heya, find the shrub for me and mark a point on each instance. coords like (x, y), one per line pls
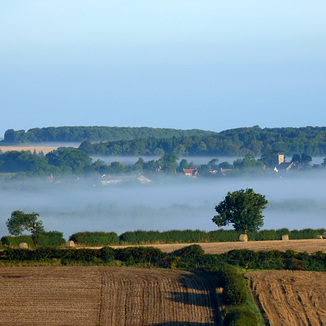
(138, 254)
(189, 252)
(234, 286)
(95, 238)
(295, 264)
(17, 254)
(289, 254)
(107, 254)
(240, 316)
(234, 291)
(15, 241)
(86, 255)
(52, 238)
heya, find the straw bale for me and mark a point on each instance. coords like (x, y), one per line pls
(243, 238)
(23, 245)
(285, 237)
(70, 244)
(319, 236)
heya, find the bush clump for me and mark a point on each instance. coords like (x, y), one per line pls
(15, 241)
(234, 286)
(240, 316)
(95, 238)
(52, 238)
(192, 251)
(138, 254)
(107, 254)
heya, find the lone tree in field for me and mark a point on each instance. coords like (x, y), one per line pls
(20, 221)
(242, 208)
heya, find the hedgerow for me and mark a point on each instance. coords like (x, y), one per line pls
(240, 316)
(185, 236)
(15, 241)
(95, 238)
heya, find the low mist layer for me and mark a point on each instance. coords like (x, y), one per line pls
(295, 202)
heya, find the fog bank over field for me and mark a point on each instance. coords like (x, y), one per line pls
(297, 201)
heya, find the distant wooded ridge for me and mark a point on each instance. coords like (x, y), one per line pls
(92, 134)
(158, 141)
(233, 142)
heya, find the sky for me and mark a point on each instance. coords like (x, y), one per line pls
(184, 64)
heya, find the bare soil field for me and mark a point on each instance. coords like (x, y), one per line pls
(311, 246)
(104, 296)
(290, 297)
(38, 149)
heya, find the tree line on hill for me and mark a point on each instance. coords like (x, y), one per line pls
(92, 134)
(234, 142)
(158, 141)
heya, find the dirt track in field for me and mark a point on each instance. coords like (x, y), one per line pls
(104, 296)
(290, 297)
(311, 246)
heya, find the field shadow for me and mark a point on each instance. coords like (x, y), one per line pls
(202, 282)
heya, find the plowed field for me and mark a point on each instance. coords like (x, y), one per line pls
(104, 296)
(290, 297)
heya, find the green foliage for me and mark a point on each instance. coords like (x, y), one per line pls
(193, 251)
(234, 286)
(139, 254)
(20, 221)
(92, 134)
(107, 254)
(69, 159)
(95, 238)
(156, 141)
(240, 316)
(52, 238)
(242, 208)
(248, 163)
(15, 241)
(185, 236)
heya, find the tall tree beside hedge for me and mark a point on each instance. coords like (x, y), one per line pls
(20, 221)
(243, 209)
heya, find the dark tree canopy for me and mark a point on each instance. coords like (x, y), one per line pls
(20, 221)
(243, 209)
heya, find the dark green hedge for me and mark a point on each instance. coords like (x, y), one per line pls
(240, 316)
(187, 236)
(277, 260)
(52, 238)
(15, 241)
(95, 238)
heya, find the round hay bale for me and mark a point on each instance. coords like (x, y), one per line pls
(243, 238)
(324, 235)
(319, 236)
(23, 245)
(70, 244)
(285, 237)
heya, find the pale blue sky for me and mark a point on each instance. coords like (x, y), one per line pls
(186, 64)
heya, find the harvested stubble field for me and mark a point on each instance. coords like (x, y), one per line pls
(290, 297)
(104, 296)
(310, 245)
(38, 149)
